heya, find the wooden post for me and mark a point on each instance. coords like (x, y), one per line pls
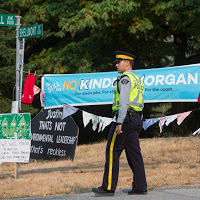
(15, 170)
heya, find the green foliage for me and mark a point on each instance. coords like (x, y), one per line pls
(5, 105)
(7, 81)
(82, 36)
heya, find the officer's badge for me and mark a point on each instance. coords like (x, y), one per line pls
(124, 81)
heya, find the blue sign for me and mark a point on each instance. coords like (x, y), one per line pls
(170, 84)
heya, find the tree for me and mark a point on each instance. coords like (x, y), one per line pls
(8, 60)
(181, 22)
(82, 36)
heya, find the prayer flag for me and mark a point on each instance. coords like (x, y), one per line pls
(68, 110)
(149, 122)
(182, 116)
(36, 90)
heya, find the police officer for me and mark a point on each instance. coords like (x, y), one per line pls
(124, 132)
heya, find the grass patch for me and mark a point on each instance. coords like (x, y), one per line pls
(168, 162)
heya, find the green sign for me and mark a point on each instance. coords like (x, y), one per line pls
(7, 20)
(15, 126)
(31, 31)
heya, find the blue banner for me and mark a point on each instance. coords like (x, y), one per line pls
(170, 84)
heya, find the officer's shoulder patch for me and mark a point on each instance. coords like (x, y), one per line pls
(124, 81)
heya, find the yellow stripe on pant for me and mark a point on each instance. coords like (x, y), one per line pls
(111, 161)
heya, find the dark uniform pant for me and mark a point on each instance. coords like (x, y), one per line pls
(128, 140)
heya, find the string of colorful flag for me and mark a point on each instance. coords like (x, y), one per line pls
(105, 121)
(97, 121)
(166, 120)
(30, 89)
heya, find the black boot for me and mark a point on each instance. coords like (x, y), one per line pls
(135, 192)
(102, 191)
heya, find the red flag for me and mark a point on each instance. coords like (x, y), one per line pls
(199, 98)
(27, 96)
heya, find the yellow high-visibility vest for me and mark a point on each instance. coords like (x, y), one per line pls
(136, 98)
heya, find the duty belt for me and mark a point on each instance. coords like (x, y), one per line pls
(133, 112)
(129, 114)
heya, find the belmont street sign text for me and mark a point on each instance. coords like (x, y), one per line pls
(31, 31)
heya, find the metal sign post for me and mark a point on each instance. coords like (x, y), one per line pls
(22, 47)
(17, 76)
(17, 57)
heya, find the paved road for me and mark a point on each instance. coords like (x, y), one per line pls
(190, 192)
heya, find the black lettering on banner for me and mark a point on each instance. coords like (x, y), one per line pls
(166, 89)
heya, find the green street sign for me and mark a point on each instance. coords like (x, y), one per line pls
(31, 31)
(7, 20)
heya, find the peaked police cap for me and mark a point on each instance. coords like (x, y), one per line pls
(121, 55)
